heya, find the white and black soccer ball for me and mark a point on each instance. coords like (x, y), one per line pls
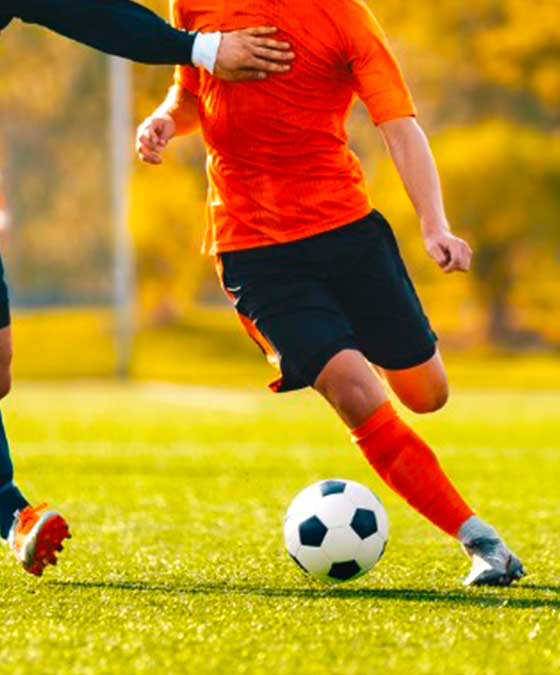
(336, 530)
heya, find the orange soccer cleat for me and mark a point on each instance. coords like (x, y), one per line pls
(36, 536)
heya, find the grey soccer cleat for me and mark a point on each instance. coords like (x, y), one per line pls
(493, 564)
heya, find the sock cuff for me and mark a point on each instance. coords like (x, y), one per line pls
(385, 413)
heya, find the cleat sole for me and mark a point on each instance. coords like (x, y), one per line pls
(49, 540)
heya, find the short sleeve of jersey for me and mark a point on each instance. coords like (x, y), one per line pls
(378, 79)
(186, 77)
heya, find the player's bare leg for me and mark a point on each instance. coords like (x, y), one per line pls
(408, 465)
(350, 386)
(423, 388)
(35, 534)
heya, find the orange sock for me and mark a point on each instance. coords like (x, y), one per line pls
(411, 469)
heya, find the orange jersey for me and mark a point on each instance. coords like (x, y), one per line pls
(279, 165)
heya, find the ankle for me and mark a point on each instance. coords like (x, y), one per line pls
(475, 528)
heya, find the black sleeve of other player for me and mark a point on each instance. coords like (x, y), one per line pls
(120, 27)
(5, 20)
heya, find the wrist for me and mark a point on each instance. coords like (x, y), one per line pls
(431, 226)
(205, 50)
(164, 114)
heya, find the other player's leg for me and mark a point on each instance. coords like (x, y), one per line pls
(35, 534)
(11, 499)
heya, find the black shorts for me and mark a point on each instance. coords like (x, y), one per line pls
(4, 300)
(348, 288)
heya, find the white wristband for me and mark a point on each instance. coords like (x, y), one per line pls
(205, 50)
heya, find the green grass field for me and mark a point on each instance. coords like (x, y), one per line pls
(176, 496)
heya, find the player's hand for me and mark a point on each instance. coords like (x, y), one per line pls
(249, 55)
(450, 252)
(152, 136)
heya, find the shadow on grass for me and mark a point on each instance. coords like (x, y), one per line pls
(396, 594)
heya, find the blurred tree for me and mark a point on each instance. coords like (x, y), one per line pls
(484, 57)
(521, 50)
(54, 150)
(168, 222)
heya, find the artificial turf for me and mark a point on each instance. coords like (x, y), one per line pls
(176, 496)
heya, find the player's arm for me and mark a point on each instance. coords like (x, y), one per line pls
(413, 158)
(125, 28)
(176, 116)
(380, 84)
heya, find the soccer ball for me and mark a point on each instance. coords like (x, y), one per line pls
(336, 530)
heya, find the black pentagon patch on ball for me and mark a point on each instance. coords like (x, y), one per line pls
(312, 532)
(297, 562)
(364, 523)
(344, 570)
(332, 487)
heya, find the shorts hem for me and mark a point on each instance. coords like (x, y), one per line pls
(408, 362)
(315, 366)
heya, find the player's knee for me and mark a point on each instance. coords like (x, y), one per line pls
(346, 394)
(428, 402)
(351, 397)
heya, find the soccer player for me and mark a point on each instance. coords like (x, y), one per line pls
(315, 274)
(127, 29)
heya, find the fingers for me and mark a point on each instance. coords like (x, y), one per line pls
(152, 137)
(439, 254)
(451, 253)
(151, 140)
(267, 43)
(149, 146)
(149, 157)
(148, 151)
(268, 66)
(248, 50)
(272, 54)
(460, 257)
(262, 30)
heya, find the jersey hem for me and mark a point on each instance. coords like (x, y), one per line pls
(255, 242)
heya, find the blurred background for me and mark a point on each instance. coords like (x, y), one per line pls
(486, 78)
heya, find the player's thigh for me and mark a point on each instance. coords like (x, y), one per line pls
(287, 310)
(381, 303)
(423, 388)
